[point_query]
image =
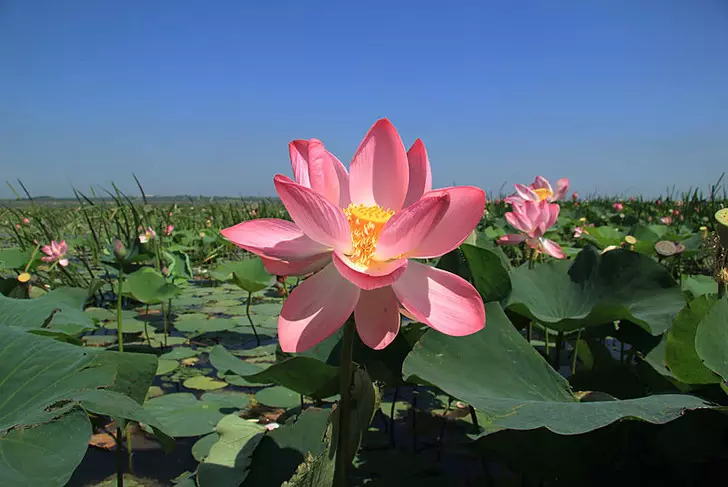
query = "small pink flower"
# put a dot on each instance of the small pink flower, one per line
(55, 252)
(26, 221)
(17, 226)
(168, 231)
(579, 231)
(676, 212)
(532, 219)
(667, 220)
(632, 198)
(148, 235)
(539, 190)
(253, 212)
(498, 201)
(574, 196)
(679, 203)
(618, 206)
(361, 230)
(682, 218)
(272, 426)
(658, 202)
(170, 213)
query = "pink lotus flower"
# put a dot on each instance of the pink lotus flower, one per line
(26, 221)
(168, 231)
(579, 231)
(532, 219)
(574, 196)
(676, 212)
(55, 252)
(618, 206)
(358, 232)
(148, 235)
(667, 220)
(539, 190)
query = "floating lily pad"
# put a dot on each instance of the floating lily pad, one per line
(205, 325)
(182, 414)
(280, 397)
(201, 448)
(166, 366)
(178, 353)
(204, 383)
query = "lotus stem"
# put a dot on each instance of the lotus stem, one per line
(391, 416)
(559, 346)
(252, 325)
(119, 459)
(343, 460)
(573, 359)
(166, 330)
(119, 323)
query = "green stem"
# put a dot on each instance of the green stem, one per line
(128, 447)
(546, 341)
(529, 331)
(247, 312)
(343, 457)
(119, 324)
(119, 459)
(573, 359)
(559, 346)
(166, 331)
(146, 327)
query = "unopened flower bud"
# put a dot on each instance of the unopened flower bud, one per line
(119, 249)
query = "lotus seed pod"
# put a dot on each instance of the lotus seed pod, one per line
(666, 248)
(721, 216)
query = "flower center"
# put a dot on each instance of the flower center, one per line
(366, 223)
(542, 193)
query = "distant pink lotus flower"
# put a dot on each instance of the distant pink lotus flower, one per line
(168, 231)
(17, 226)
(632, 199)
(26, 221)
(676, 212)
(359, 230)
(253, 212)
(618, 206)
(667, 220)
(532, 219)
(574, 196)
(148, 235)
(658, 202)
(579, 231)
(55, 252)
(539, 190)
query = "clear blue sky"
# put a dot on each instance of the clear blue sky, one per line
(202, 97)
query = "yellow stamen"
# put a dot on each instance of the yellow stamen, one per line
(542, 193)
(366, 223)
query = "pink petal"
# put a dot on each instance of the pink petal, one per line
(315, 310)
(541, 183)
(562, 187)
(511, 239)
(46, 249)
(327, 174)
(525, 192)
(315, 215)
(444, 301)
(407, 229)
(462, 215)
(63, 247)
(301, 267)
(63, 262)
(274, 238)
(420, 174)
(379, 169)
(553, 214)
(513, 199)
(377, 274)
(552, 248)
(517, 221)
(377, 317)
(298, 150)
(47, 259)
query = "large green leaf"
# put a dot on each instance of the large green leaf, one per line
(60, 309)
(149, 286)
(512, 387)
(597, 289)
(680, 354)
(711, 339)
(490, 271)
(228, 463)
(43, 386)
(45, 455)
(249, 274)
(182, 414)
(281, 451)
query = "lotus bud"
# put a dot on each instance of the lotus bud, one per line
(26, 221)
(119, 249)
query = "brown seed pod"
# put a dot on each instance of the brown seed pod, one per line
(666, 248)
